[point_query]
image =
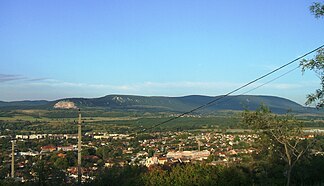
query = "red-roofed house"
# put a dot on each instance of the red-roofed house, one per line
(48, 148)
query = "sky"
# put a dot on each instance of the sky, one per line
(60, 49)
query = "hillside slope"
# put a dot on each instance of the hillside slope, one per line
(172, 104)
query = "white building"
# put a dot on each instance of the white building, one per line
(193, 155)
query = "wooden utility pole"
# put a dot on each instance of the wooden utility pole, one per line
(199, 143)
(79, 149)
(13, 159)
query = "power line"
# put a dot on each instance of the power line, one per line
(268, 82)
(235, 90)
(271, 80)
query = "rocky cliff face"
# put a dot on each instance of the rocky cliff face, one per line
(65, 105)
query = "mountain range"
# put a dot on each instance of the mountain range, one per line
(171, 104)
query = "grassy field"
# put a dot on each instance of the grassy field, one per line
(58, 121)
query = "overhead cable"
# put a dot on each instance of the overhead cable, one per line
(235, 90)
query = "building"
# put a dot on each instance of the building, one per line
(48, 148)
(65, 148)
(192, 155)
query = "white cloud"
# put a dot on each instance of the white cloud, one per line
(52, 89)
(138, 86)
(10, 77)
(284, 86)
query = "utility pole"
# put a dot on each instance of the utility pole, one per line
(199, 143)
(79, 149)
(13, 159)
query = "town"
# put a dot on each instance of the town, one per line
(56, 147)
(106, 150)
(83, 157)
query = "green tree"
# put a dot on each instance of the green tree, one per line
(197, 174)
(88, 151)
(316, 64)
(47, 174)
(8, 181)
(4, 171)
(71, 158)
(40, 172)
(279, 136)
(104, 152)
(61, 163)
(317, 9)
(234, 176)
(128, 175)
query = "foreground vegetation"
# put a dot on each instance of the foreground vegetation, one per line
(308, 172)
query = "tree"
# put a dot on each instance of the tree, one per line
(71, 158)
(317, 9)
(61, 163)
(128, 175)
(104, 152)
(196, 174)
(279, 135)
(46, 174)
(316, 64)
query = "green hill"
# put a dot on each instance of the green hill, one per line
(172, 104)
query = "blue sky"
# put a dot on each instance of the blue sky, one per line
(59, 49)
